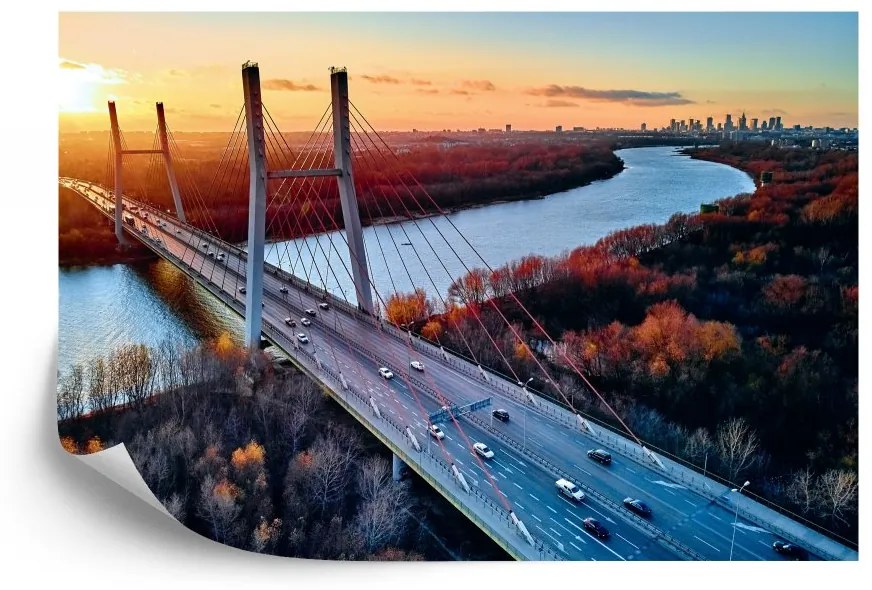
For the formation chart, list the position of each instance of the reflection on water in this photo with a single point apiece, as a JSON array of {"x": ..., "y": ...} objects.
[{"x": 104, "y": 307}]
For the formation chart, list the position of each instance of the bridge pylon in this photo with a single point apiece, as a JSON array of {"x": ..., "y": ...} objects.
[{"x": 120, "y": 152}]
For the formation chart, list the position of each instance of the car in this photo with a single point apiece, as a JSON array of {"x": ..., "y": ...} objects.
[
  {"x": 385, "y": 372},
  {"x": 291, "y": 322},
  {"x": 501, "y": 415},
  {"x": 435, "y": 432},
  {"x": 178, "y": 231},
  {"x": 306, "y": 321},
  {"x": 204, "y": 245},
  {"x": 323, "y": 305},
  {"x": 242, "y": 290},
  {"x": 417, "y": 365},
  {"x": 481, "y": 449},
  {"x": 790, "y": 550},
  {"x": 600, "y": 456},
  {"x": 302, "y": 338},
  {"x": 311, "y": 312},
  {"x": 283, "y": 290},
  {"x": 569, "y": 489},
  {"x": 221, "y": 256},
  {"x": 595, "y": 527},
  {"x": 210, "y": 254},
  {"x": 637, "y": 506}
]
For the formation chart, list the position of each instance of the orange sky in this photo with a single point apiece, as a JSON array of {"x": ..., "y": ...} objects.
[{"x": 433, "y": 71}]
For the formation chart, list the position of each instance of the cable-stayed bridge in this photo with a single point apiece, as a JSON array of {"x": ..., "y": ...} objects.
[{"x": 343, "y": 339}]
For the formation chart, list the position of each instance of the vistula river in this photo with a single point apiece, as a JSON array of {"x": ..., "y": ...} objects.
[{"x": 104, "y": 307}]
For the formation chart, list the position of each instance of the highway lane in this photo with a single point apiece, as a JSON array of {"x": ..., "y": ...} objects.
[{"x": 698, "y": 522}]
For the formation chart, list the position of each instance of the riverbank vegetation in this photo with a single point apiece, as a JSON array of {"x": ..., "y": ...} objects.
[
  {"x": 252, "y": 454},
  {"x": 455, "y": 173},
  {"x": 728, "y": 339}
]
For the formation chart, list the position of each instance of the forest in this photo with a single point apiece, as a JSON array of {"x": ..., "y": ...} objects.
[
  {"x": 741, "y": 321},
  {"x": 251, "y": 453},
  {"x": 424, "y": 177}
]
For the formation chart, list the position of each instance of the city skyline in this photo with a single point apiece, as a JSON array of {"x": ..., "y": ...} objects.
[{"x": 448, "y": 70}]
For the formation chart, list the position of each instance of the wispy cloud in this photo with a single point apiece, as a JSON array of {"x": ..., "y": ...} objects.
[
  {"x": 427, "y": 91},
  {"x": 632, "y": 97},
  {"x": 288, "y": 85},
  {"x": 556, "y": 102},
  {"x": 461, "y": 92},
  {"x": 417, "y": 82},
  {"x": 71, "y": 65},
  {"x": 381, "y": 79},
  {"x": 215, "y": 106},
  {"x": 482, "y": 85}
]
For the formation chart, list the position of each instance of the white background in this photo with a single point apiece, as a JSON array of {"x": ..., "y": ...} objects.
[{"x": 64, "y": 525}]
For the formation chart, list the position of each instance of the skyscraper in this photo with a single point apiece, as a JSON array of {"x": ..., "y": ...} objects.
[
  {"x": 672, "y": 125},
  {"x": 771, "y": 123},
  {"x": 728, "y": 124},
  {"x": 743, "y": 123},
  {"x": 754, "y": 124},
  {"x": 778, "y": 125},
  {"x": 644, "y": 126},
  {"x": 710, "y": 124},
  {"x": 508, "y": 127}
]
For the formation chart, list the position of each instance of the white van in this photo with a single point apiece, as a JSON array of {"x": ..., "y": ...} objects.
[{"x": 569, "y": 489}]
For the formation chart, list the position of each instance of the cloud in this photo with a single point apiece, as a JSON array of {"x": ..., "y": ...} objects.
[
  {"x": 215, "y": 106},
  {"x": 461, "y": 92},
  {"x": 427, "y": 91},
  {"x": 483, "y": 85},
  {"x": 380, "y": 79},
  {"x": 289, "y": 85},
  {"x": 556, "y": 102},
  {"x": 633, "y": 97},
  {"x": 417, "y": 82},
  {"x": 71, "y": 65},
  {"x": 775, "y": 111}
]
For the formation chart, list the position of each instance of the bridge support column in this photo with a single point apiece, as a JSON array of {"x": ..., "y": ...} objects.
[
  {"x": 256, "y": 204},
  {"x": 398, "y": 466},
  {"x": 119, "y": 188},
  {"x": 347, "y": 195},
  {"x": 168, "y": 162}
]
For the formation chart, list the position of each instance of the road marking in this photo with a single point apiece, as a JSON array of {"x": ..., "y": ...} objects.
[
  {"x": 549, "y": 534},
  {"x": 763, "y": 543},
  {"x": 748, "y": 527},
  {"x": 550, "y": 508},
  {"x": 532, "y": 496},
  {"x": 536, "y": 517},
  {"x": 518, "y": 504},
  {"x": 601, "y": 514},
  {"x": 689, "y": 502},
  {"x": 573, "y": 524},
  {"x": 709, "y": 544},
  {"x": 609, "y": 549},
  {"x": 458, "y": 461},
  {"x": 716, "y": 517},
  {"x": 617, "y": 535},
  {"x": 631, "y": 470},
  {"x": 563, "y": 527},
  {"x": 555, "y": 531},
  {"x": 501, "y": 474},
  {"x": 574, "y": 545},
  {"x": 517, "y": 486},
  {"x": 669, "y": 484}
]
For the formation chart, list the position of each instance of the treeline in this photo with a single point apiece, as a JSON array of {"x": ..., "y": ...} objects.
[
  {"x": 453, "y": 174},
  {"x": 252, "y": 455},
  {"x": 750, "y": 312}
]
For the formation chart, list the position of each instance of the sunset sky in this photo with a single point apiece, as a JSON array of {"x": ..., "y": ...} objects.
[{"x": 433, "y": 71}]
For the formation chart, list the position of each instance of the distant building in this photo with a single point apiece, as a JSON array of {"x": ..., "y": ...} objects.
[
  {"x": 672, "y": 126},
  {"x": 578, "y": 128},
  {"x": 753, "y": 124},
  {"x": 743, "y": 123},
  {"x": 414, "y": 130},
  {"x": 710, "y": 124},
  {"x": 558, "y": 129},
  {"x": 771, "y": 123},
  {"x": 644, "y": 127},
  {"x": 778, "y": 125},
  {"x": 728, "y": 123},
  {"x": 764, "y": 126},
  {"x": 508, "y": 127},
  {"x": 720, "y": 126}
]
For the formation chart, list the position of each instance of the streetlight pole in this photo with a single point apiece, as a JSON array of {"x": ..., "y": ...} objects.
[
  {"x": 526, "y": 401},
  {"x": 736, "y": 519}
]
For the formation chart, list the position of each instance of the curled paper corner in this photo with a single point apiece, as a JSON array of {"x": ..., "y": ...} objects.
[{"x": 116, "y": 465}]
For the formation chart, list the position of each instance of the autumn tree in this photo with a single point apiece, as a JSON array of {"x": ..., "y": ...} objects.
[{"x": 406, "y": 308}]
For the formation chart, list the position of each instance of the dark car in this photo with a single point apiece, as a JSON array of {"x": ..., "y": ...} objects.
[
  {"x": 600, "y": 456},
  {"x": 501, "y": 415},
  {"x": 790, "y": 550},
  {"x": 595, "y": 528},
  {"x": 637, "y": 506}
]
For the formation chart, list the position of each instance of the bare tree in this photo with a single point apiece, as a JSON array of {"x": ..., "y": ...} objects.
[
  {"x": 175, "y": 505},
  {"x": 801, "y": 489},
  {"x": 737, "y": 445},
  {"x": 219, "y": 508},
  {"x": 699, "y": 446},
  {"x": 333, "y": 454},
  {"x": 97, "y": 378},
  {"x": 71, "y": 393},
  {"x": 383, "y": 514},
  {"x": 838, "y": 492}
]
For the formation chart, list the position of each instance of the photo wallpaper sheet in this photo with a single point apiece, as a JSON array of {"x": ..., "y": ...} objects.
[{"x": 466, "y": 286}]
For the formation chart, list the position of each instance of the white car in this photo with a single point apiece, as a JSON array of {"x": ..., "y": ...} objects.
[
  {"x": 385, "y": 372},
  {"x": 323, "y": 305},
  {"x": 306, "y": 321},
  {"x": 283, "y": 290},
  {"x": 417, "y": 365},
  {"x": 290, "y": 322},
  {"x": 569, "y": 489},
  {"x": 482, "y": 450},
  {"x": 435, "y": 432},
  {"x": 302, "y": 338},
  {"x": 311, "y": 312},
  {"x": 242, "y": 290}
]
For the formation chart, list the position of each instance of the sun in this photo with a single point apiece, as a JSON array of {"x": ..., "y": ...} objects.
[{"x": 79, "y": 85}]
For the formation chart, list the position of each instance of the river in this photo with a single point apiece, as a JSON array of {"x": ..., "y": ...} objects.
[{"x": 104, "y": 307}]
